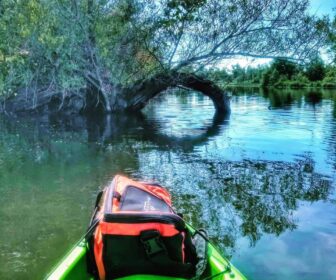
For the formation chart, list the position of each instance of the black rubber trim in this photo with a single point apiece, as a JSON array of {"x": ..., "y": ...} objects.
[{"x": 146, "y": 218}]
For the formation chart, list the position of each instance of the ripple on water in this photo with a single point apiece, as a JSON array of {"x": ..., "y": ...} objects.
[{"x": 261, "y": 181}]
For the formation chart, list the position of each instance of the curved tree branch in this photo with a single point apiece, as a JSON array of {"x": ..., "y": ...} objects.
[{"x": 137, "y": 96}]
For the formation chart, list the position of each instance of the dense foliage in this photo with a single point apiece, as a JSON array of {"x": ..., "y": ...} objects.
[
  {"x": 64, "y": 46},
  {"x": 280, "y": 74},
  {"x": 332, "y": 38}
]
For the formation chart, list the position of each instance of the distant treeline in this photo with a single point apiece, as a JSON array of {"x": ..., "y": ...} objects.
[{"x": 279, "y": 74}]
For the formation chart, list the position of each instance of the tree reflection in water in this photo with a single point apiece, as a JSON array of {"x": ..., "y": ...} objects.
[
  {"x": 231, "y": 199},
  {"x": 234, "y": 199}
]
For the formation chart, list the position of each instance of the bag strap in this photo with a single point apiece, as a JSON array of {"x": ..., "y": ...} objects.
[{"x": 152, "y": 243}]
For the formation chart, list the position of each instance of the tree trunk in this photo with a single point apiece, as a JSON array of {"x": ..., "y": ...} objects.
[
  {"x": 120, "y": 99},
  {"x": 96, "y": 88},
  {"x": 136, "y": 97}
]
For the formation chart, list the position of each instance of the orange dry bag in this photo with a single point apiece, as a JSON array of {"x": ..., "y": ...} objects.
[{"x": 136, "y": 231}]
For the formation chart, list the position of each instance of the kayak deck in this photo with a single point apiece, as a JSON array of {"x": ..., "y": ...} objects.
[{"x": 73, "y": 267}]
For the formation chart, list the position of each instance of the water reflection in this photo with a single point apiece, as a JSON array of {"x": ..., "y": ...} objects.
[
  {"x": 111, "y": 129},
  {"x": 245, "y": 198},
  {"x": 331, "y": 138},
  {"x": 313, "y": 97},
  {"x": 234, "y": 199},
  {"x": 240, "y": 178},
  {"x": 282, "y": 98}
]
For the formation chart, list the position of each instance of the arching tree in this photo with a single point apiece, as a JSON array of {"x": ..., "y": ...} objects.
[{"x": 88, "y": 55}]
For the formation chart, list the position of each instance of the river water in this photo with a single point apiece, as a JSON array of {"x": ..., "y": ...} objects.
[{"x": 261, "y": 181}]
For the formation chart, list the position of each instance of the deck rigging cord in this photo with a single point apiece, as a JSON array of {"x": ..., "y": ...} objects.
[{"x": 226, "y": 270}]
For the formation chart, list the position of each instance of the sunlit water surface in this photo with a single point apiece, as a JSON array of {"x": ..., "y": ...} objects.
[{"x": 260, "y": 181}]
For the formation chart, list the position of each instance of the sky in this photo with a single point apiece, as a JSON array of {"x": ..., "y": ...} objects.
[
  {"x": 322, "y": 7},
  {"x": 318, "y": 7}
]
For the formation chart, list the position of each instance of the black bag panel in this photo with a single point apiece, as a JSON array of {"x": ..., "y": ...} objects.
[
  {"x": 135, "y": 199},
  {"x": 190, "y": 250},
  {"x": 126, "y": 255},
  {"x": 90, "y": 259}
]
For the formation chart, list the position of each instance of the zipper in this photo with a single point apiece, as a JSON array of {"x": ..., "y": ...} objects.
[{"x": 109, "y": 197}]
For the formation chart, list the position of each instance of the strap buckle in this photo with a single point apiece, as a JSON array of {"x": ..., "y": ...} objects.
[{"x": 152, "y": 242}]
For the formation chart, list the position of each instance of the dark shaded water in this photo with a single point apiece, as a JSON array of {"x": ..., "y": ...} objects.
[{"x": 262, "y": 181}]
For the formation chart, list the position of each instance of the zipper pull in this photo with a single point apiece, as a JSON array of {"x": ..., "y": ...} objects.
[{"x": 117, "y": 196}]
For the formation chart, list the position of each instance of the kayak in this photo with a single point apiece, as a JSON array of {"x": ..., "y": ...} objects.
[
  {"x": 135, "y": 233},
  {"x": 73, "y": 267}
]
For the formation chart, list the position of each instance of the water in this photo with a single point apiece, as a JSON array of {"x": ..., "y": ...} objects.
[{"x": 261, "y": 181}]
